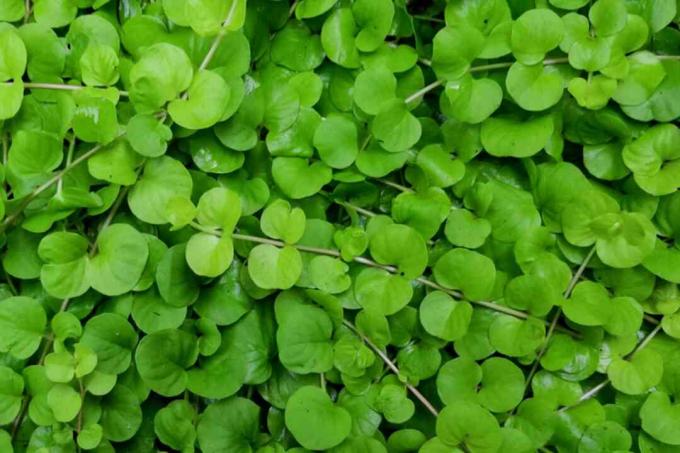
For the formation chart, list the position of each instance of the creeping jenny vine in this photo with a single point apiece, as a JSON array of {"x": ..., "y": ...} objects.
[{"x": 340, "y": 225}]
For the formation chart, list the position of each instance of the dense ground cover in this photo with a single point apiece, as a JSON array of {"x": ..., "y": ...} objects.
[{"x": 355, "y": 226}]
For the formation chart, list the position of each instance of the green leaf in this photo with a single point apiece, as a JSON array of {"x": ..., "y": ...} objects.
[
  {"x": 64, "y": 401},
  {"x": 463, "y": 229},
  {"x": 225, "y": 301},
  {"x": 95, "y": 120},
  {"x": 21, "y": 259},
  {"x": 11, "y": 389},
  {"x": 271, "y": 267},
  {"x": 336, "y": 140},
  {"x": 444, "y": 317},
  {"x": 11, "y": 96},
  {"x": 173, "y": 425},
  {"x": 471, "y": 272},
  {"x": 454, "y": 48},
  {"x": 608, "y": 16},
  {"x": 644, "y": 76},
  {"x": 424, "y": 211},
  {"x": 516, "y": 337},
  {"x": 121, "y": 414},
  {"x": 534, "y": 88},
  {"x": 533, "y": 293},
  {"x": 295, "y": 48},
  {"x": 280, "y": 221},
  {"x": 473, "y": 100},
  {"x": 59, "y": 367},
  {"x": 374, "y": 20},
  {"x": 396, "y": 128},
  {"x": 13, "y": 54},
  {"x": 589, "y": 305},
  {"x": 163, "y": 179},
  {"x": 337, "y": 38},
  {"x": 535, "y": 33},
  {"x": 373, "y": 89},
  {"x": 468, "y": 424},
  {"x": 590, "y": 54},
  {"x": 209, "y": 255},
  {"x": 229, "y": 425},
  {"x": 306, "y": 9},
  {"x": 329, "y": 274},
  {"x": 497, "y": 384},
  {"x": 658, "y": 417},
  {"x": 162, "y": 359},
  {"x": 147, "y": 135},
  {"x": 90, "y": 436},
  {"x": 120, "y": 260},
  {"x": 219, "y": 208},
  {"x": 314, "y": 421},
  {"x": 493, "y": 19},
  {"x": 12, "y": 10},
  {"x": 99, "y": 65},
  {"x": 509, "y": 137},
  {"x": 176, "y": 283},
  {"x": 654, "y": 159},
  {"x": 441, "y": 169},
  {"x": 34, "y": 153},
  {"x": 658, "y": 13},
  {"x": 54, "y": 13},
  {"x": 402, "y": 246},
  {"x": 297, "y": 179},
  {"x": 161, "y": 74},
  {"x": 607, "y": 436},
  {"x": 22, "y": 324},
  {"x": 113, "y": 339},
  {"x": 304, "y": 334},
  {"x": 625, "y": 240},
  {"x": 379, "y": 291},
  {"x": 208, "y": 95},
  {"x": 638, "y": 374},
  {"x": 116, "y": 163}
]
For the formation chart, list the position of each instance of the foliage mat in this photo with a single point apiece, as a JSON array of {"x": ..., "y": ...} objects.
[{"x": 356, "y": 226}]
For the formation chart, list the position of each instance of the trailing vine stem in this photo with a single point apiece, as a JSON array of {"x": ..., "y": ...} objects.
[
  {"x": 596, "y": 389},
  {"x": 58, "y": 87},
  {"x": 553, "y": 324},
  {"x": 16, "y": 424},
  {"x": 59, "y": 175},
  {"x": 25, "y": 201},
  {"x": 391, "y": 269},
  {"x": 204, "y": 64},
  {"x": 503, "y": 65},
  {"x": 392, "y": 366}
]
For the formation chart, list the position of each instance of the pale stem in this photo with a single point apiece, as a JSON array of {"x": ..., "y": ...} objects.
[
  {"x": 24, "y": 404},
  {"x": 367, "y": 262},
  {"x": 392, "y": 366},
  {"x": 553, "y": 324},
  {"x": 595, "y": 390}
]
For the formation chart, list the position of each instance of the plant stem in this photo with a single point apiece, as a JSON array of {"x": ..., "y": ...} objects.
[
  {"x": 487, "y": 67},
  {"x": 16, "y": 424},
  {"x": 422, "y": 92},
  {"x": 9, "y": 220},
  {"x": 429, "y": 19},
  {"x": 595, "y": 390},
  {"x": 109, "y": 218},
  {"x": 553, "y": 324},
  {"x": 392, "y": 366},
  {"x": 399, "y": 187},
  {"x": 391, "y": 269},
  {"x": 58, "y": 86}
]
